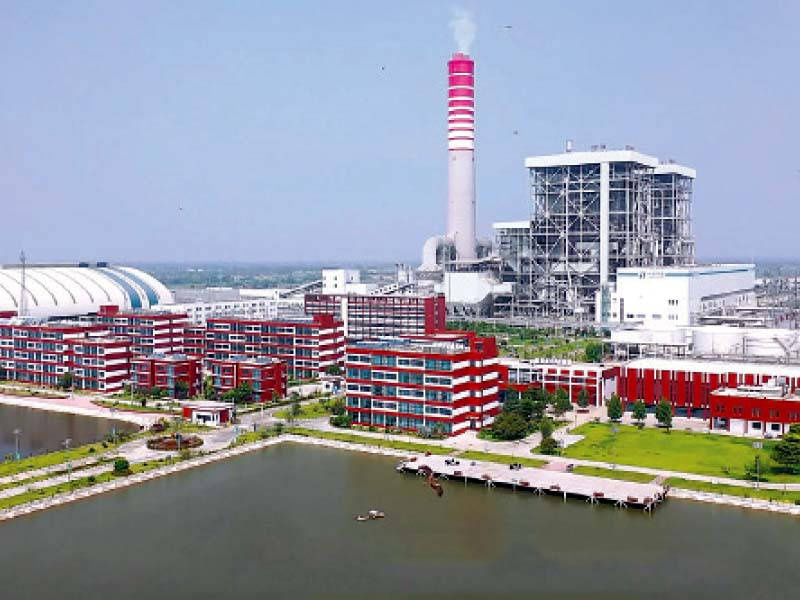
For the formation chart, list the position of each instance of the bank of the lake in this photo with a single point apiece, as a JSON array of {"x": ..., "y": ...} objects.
[
  {"x": 277, "y": 523},
  {"x": 45, "y": 430}
]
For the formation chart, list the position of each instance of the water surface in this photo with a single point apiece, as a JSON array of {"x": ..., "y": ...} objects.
[
  {"x": 279, "y": 523},
  {"x": 45, "y": 430}
]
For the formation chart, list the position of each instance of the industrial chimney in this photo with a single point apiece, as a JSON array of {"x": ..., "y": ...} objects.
[{"x": 461, "y": 155}]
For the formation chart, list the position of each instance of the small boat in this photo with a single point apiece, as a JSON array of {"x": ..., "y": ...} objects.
[
  {"x": 361, "y": 518},
  {"x": 376, "y": 514}
]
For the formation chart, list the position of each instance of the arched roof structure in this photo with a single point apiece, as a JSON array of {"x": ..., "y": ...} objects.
[{"x": 73, "y": 290}]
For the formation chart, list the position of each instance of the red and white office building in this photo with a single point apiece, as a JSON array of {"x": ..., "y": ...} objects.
[
  {"x": 743, "y": 398},
  {"x": 150, "y": 331},
  {"x": 36, "y": 351},
  {"x": 309, "y": 346},
  {"x": 267, "y": 376},
  {"x": 598, "y": 380},
  {"x": 370, "y": 317},
  {"x": 447, "y": 381},
  {"x": 165, "y": 370}
]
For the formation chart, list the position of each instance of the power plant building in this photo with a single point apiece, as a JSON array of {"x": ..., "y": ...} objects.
[{"x": 593, "y": 213}]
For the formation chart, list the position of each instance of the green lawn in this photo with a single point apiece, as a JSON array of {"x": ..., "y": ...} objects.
[
  {"x": 503, "y": 459},
  {"x": 734, "y": 490},
  {"x": 371, "y": 441},
  {"x": 701, "y": 453},
  {"x": 52, "y": 458},
  {"x": 614, "y": 474},
  {"x": 312, "y": 410}
]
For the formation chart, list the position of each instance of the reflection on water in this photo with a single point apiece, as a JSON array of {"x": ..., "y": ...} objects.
[
  {"x": 279, "y": 524},
  {"x": 45, "y": 431}
]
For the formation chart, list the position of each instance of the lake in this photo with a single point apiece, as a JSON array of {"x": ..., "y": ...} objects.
[
  {"x": 45, "y": 431},
  {"x": 278, "y": 523}
]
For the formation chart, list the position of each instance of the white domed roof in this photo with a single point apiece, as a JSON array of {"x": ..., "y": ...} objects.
[{"x": 72, "y": 290}]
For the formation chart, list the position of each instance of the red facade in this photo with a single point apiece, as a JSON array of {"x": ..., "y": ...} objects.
[
  {"x": 268, "y": 377},
  {"x": 150, "y": 332},
  {"x": 594, "y": 379},
  {"x": 164, "y": 371},
  {"x": 308, "y": 346},
  {"x": 41, "y": 352},
  {"x": 370, "y": 317},
  {"x": 688, "y": 385},
  {"x": 447, "y": 381}
]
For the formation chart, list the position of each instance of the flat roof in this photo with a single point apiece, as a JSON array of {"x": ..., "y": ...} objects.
[
  {"x": 601, "y": 156},
  {"x": 456, "y": 345},
  {"x": 512, "y": 225},
  {"x": 690, "y": 270},
  {"x": 766, "y": 393},
  {"x": 715, "y": 366}
]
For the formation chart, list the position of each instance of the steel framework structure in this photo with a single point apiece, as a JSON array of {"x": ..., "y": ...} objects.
[{"x": 588, "y": 219}]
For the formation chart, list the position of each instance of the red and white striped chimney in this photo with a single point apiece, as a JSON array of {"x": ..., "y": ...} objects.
[{"x": 461, "y": 155}]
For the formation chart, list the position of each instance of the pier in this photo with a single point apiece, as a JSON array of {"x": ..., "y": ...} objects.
[{"x": 595, "y": 490}]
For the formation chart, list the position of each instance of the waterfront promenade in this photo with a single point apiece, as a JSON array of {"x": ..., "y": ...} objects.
[{"x": 217, "y": 442}]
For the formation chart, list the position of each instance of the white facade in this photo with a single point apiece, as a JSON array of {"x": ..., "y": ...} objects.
[
  {"x": 74, "y": 290},
  {"x": 669, "y": 297},
  {"x": 337, "y": 281},
  {"x": 251, "y": 308}
]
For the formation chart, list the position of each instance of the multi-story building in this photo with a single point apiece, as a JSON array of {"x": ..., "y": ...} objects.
[
  {"x": 36, "y": 351},
  {"x": 245, "y": 308},
  {"x": 688, "y": 384},
  {"x": 592, "y": 214},
  {"x": 766, "y": 410},
  {"x": 309, "y": 346},
  {"x": 447, "y": 382},
  {"x": 370, "y": 317},
  {"x": 194, "y": 340},
  {"x": 165, "y": 370},
  {"x": 267, "y": 376},
  {"x": 150, "y": 331},
  {"x": 597, "y": 380}
]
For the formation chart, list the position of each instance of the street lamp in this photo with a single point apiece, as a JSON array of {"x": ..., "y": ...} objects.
[
  {"x": 17, "y": 433},
  {"x": 66, "y": 444}
]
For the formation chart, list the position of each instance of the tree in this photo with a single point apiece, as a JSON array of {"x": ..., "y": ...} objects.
[
  {"x": 614, "y": 408},
  {"x": 157, "y": 393},
  {"x": 333, "y": 370},
  {"x": 341, "y": 420},
  {"x": 242, "y": 393},
  {"x": 561, "y": 404},
  {"x": 208, "y": 387},
  {"x": 337, "y": 406},
  {"x": 583, "y": 398},
  {"x": 546, "y": 427},
  {"x": 548, "y": 446},
  {"x": 639, "y": 411},
  {"x": 664, "y": 413},
  {"x": 296, "y": 409},
  {"x": 787, "y": 451},
  {"x": 509, "y": 426},
  {"x": 66, "y": 381},
  {"x": 593, "y": 352},
  {"x": 122, "y": 466},
  {"x": 181, "y": 390}
]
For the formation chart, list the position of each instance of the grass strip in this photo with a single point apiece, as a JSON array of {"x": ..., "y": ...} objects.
[
  {"x": 790, "y": 497},
  {"x": 379, "y": 442},
  {"x": 634, "y": 476}
]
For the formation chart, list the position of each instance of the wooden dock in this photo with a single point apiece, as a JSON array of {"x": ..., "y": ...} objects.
[{"x": 595, "y": 490}]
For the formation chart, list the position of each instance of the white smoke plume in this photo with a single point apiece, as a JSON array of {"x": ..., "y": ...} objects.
[{"x": 464, "y": 28}]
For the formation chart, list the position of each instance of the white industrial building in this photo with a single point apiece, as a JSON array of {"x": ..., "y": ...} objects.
[
  {"x": 246, "y": 308},
  {"x": 50, "y": 291},
  {"x": 677, "y": 296}
]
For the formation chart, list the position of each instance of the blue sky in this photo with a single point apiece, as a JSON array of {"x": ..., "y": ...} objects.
[{"x": 258, "y": 131}]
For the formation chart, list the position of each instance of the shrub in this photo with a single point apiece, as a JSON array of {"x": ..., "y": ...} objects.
[
  {"x": 91, "y": 479},
  {"x": 548, "y": 446},
  {"x": 122, "y": 466},
  {"x": 341, "y": 420}
]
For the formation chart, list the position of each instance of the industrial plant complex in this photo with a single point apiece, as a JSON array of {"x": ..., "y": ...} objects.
[{"x": 605, "y": 244}]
